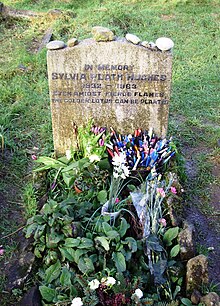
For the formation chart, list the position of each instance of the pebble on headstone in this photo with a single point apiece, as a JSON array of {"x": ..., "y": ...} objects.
[
  {"x": 102, "y": 34},
  {"x": 196, "y": 273},
  {"x": 152, "y": 45},
  {"x": 164, "y": 43},
  {"x": 55, "y": 45},
  {"x": 132, "y": 38},
  {"x": 144, "y": 43},
  {"x": 72, "y": 42}
]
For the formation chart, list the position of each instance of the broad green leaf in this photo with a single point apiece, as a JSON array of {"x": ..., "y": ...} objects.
[
  {"x": 52, "y": 239},
  {"x": 124, "y": 226},
  {"x": 52, "y": 272},
  {"x": 119, "y": 260},
  {"x": 186, "y": 302},
  {"x": 65, "y": 277},
  {"x": 47, "y": 294},
  {"x": 51, "y": 162},
  {"x": 85, "y": 265},
  {"x": 106, "y": 227},
  {"x": 78, "y": 254},
  {"x": 104, "y": 242},
  {"x": 71, "y": 242},
  {"x": 112, "y": 234},
  {"x": 30, "y": 229},
  {"x": 85, "y": 243},
  {"x": 67, "y": 253},
  {"x": 132, "y": 244},
  {"x": 175, "y": 251},
  {"x": 102, "y": 196},
  {"x": 68, "y": 179},
  {"x": 170, "y": 234}
]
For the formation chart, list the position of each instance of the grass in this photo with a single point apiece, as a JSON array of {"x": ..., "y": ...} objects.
[{"x": 25, "y": 122}]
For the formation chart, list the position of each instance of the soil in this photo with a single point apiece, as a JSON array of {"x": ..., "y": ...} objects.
[{"x": 207, "y": 225}]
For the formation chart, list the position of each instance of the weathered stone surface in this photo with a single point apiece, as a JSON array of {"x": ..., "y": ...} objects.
[
  {"x": 116, "y": 83},
  {"x": 197, "y": 273},
  {"x": 31, "y": 298},
  {"x": 186, "y": 241},
  {"x": 132, "y": 38},
  {"x": 102, "y": 34},
  {"x": 210, "y": 299},
  {"x": 55, "y": 45},
  {"x": 195, "y": 297},
  {"x": 72, "y": 42}
]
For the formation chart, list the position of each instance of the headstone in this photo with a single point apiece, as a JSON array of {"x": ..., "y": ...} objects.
[{"x": 117, "y": 83}]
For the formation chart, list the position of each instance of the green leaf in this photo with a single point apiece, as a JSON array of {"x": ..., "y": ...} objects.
[
  {"x": 102, "y": 196},
  {"x": 177, "y": 290},
  {"x": 119, "y": 260},
  {"x": 78, "y": 254},
  {"x": 65, "y": 277},
  {"x": 68, "y": 179},
  {"x": 104, "y": 242},
  {"x": 52, "y": 272},
  {"x": 132, "y": 244},
  {"x": 106, "y": 227},
  {"x": 30, "y": 229},
  {"x": 71, "y": 242},
  {"x": 112, "y": 234},
  {"x": 47, "y": 294},
  {"x": 124, "y": 226},
  {"x": 175, "y": 251},
  {"x": 67, "y": 253},
  {"x": 85, "y": 265},
  {"x": 186, "y": 302},
  {"x": 85, "y": 243},
  {"x": 50, "y": 162},
  {"x": 170, "y": 234}
]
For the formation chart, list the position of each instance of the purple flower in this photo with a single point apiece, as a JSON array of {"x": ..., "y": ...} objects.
[
  {"x": 1, "y": 251},
  {"x": 163, "y": 222},
  {"x": 173, "y": 190}
]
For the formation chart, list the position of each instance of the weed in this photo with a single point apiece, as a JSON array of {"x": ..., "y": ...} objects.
[{"x": 30, "y": 202}]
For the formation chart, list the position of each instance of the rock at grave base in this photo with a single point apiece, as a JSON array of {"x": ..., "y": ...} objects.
[
  {"x": 132, "y": 38},
  {"x": 19, "y": 270},
  {"x": 195, "y": 297},
  {"x": 196, "y": 273},
  {"x": 186, "y": 241},
  {"x": 164, "y": 43},
  {"x": 102, "y": 34},
  {"x": 55, "y": 45},
  {"x": 210, "y": 299},
  {"x": 72, "y": 42},
  {"x": 31, "y": 298}
]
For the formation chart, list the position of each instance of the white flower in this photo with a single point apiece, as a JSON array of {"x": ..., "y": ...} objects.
[
  {"x": 77, "y": 302},
  {"x": 94, "y": 284},
  {"x": 110, "y": 281},
  {"x": 93, "y": 158},
  {"x": 68, "y": 154},
  {"x": 138, "y": 293}
]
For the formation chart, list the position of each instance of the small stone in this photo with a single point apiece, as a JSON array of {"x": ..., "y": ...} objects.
[
  {"x": 144, "y": 43},
  {"x": 195, "y": 297},
  {"x": 31, "y": 298},
  {"x": 72, "y": 42},
  {"x": 186, "y": 241},
  {"x": 55, "y": 45},
  {"x": 164, "y": 43},
  {"x": 210, "y": 299},
  {"x": 151, "y": 45},
  {"x": 196, "y": 273},
  {"x": 132, "y": 38},
  {"x": 102, "y": 34},
  {"x": 218, "y": 143}
]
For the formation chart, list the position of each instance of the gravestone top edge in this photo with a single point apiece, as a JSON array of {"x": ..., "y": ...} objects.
[{"x": 89, "y": 42}]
